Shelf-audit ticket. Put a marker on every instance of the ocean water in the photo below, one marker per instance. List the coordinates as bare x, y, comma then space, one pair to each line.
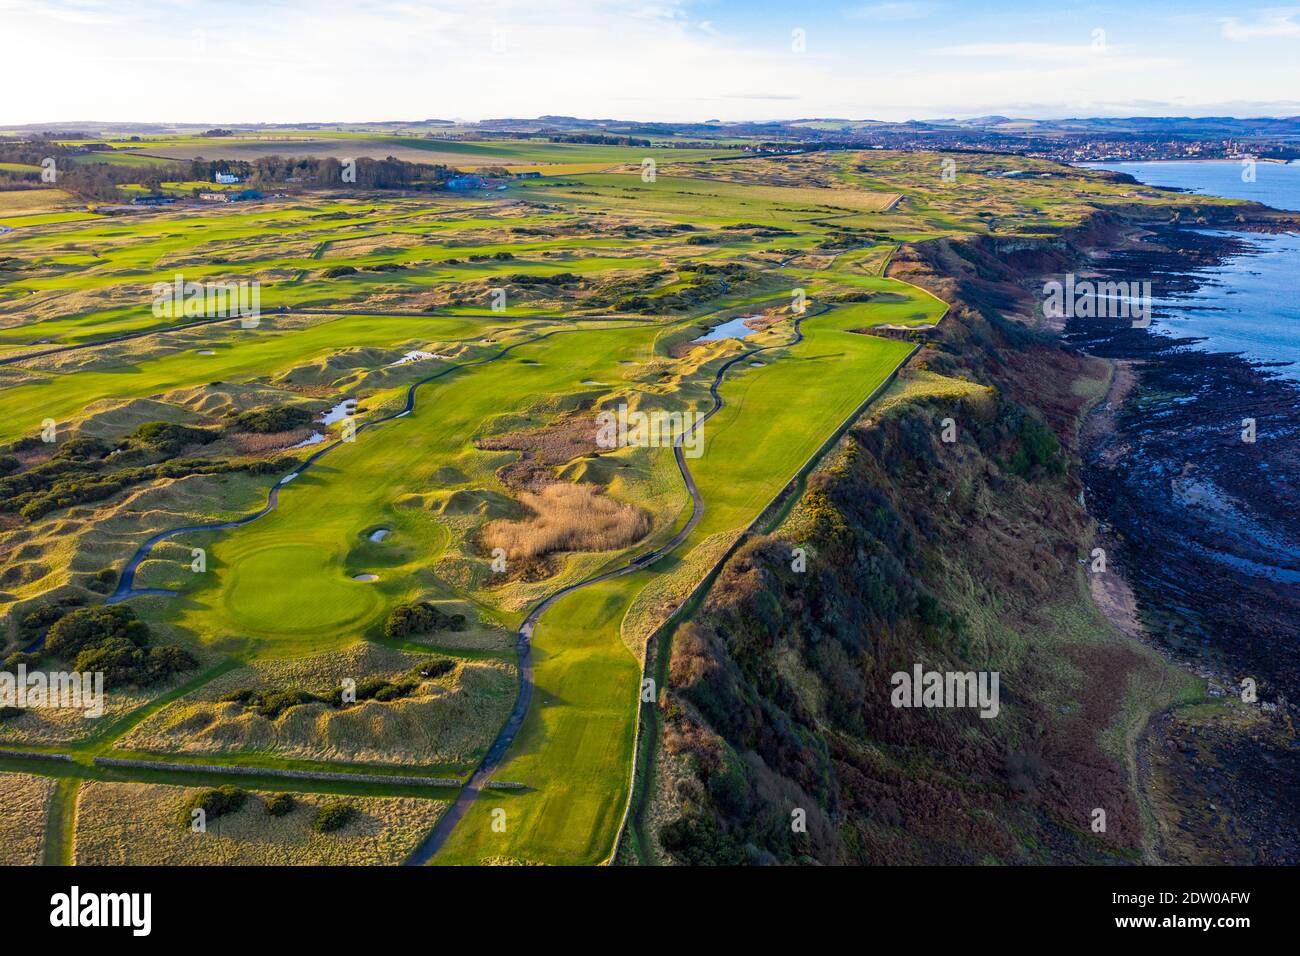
1276, 184
1251, 304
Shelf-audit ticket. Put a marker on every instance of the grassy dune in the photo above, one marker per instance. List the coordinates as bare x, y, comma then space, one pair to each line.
24, 802
138, 824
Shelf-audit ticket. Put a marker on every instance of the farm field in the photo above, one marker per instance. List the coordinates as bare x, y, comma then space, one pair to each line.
337, 524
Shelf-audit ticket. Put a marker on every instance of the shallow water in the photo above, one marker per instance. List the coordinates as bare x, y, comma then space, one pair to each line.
339, 412
733, 329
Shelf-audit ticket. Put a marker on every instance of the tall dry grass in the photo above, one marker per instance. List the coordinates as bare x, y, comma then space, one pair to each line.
568, 517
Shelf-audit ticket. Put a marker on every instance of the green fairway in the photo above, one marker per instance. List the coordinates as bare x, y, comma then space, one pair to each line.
574, 752
608, 280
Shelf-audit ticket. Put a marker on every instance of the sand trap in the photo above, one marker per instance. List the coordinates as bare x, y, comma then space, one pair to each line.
589, 381
757, 364
379, 535
365, 577
288, 478
206, 352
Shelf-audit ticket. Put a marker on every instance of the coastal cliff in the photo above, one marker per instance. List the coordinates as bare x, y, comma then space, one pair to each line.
977, 554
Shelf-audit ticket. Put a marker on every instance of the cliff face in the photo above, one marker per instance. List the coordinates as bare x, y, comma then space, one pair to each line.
780, 741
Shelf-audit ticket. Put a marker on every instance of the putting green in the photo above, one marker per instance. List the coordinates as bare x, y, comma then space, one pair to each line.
291, 588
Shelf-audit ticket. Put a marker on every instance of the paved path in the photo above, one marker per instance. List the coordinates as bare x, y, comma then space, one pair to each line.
523, 637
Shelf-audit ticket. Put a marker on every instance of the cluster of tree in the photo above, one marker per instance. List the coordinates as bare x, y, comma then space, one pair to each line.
600, 139
421, 618
102, 182
112, 640
269, 421
84, 470
217, 132
272, 703
170, 438
362, 172
558, 278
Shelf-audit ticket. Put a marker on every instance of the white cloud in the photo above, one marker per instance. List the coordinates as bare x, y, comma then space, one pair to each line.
896, 10
1269, 24
1026, 51
307, 61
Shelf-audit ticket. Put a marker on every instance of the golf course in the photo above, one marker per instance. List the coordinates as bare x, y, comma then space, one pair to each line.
371, 532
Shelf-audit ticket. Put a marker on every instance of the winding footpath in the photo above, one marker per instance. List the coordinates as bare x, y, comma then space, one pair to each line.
523, 637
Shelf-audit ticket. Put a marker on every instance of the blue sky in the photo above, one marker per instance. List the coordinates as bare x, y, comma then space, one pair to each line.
312, 60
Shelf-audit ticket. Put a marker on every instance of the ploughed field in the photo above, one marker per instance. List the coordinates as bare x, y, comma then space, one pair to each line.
343, 510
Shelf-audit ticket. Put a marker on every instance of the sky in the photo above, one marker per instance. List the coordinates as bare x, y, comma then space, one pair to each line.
285, 61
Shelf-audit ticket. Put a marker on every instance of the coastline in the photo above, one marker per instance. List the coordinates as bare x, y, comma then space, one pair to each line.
1200, 767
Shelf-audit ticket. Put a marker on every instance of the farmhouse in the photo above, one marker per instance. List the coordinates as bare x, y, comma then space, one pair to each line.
225, 179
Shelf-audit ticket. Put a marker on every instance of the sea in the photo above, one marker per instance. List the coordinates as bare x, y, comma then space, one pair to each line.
1250, 305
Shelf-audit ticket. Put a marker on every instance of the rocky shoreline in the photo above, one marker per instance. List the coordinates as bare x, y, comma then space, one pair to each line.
1206, 525
1202, 534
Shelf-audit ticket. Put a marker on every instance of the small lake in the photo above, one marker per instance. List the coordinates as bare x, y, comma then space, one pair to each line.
733, 329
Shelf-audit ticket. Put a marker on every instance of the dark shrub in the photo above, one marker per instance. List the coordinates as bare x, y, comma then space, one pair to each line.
217, 802
333, 816
435, 667
89, 626
113, 640
280, 804
40, 618
421, 618
271, 703
83, 449
170, 438
268, 421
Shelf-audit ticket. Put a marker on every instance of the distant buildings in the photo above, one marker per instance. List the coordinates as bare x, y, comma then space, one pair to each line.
225, 179
153, 200
230, 196
531, 174
464, 182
